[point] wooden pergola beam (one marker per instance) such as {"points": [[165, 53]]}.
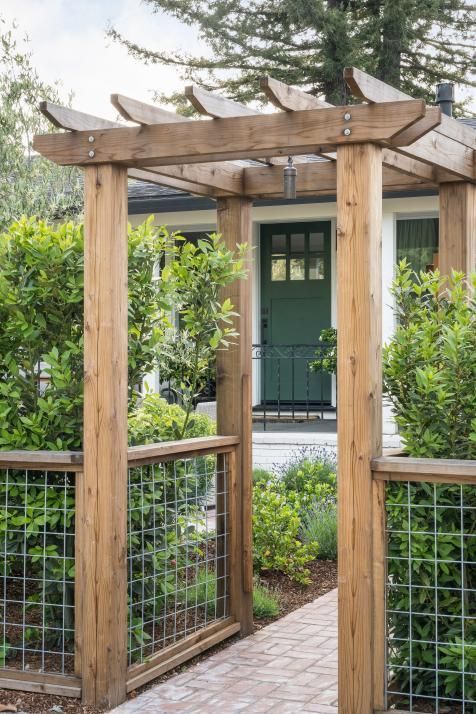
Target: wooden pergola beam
{"points": [[238, 137], [142, 113], [205, 180], [294, 99], [451, 142], [318, 178], [215, 106], [289, 99], [370, 89]]}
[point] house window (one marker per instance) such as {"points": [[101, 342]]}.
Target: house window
{"points": [[417, 241]]}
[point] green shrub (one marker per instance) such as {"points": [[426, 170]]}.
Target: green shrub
{"points": [[41, 313], [435, 560], [430, 365], [308, 477], [430, 378], [265, 601], [202, 593], [261, 476], [326, 356], [319, 525], [276, 524], [154, 420]]}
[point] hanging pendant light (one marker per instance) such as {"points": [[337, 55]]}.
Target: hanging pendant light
{"points": [[289, 179]]}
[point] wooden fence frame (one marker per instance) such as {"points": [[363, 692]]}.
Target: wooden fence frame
{"points": [[174, 655]]}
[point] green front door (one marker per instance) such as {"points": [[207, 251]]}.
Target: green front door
{"points": [[295, 307]]}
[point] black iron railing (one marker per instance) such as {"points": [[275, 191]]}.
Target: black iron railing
{"points": [[291, 390]]}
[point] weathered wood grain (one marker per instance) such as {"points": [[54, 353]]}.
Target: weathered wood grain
{"points": [[234, 411], [359, 226], [238, 137], [104, 498]]}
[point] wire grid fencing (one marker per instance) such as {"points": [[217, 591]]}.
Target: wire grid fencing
{"points": [[431, 597], [178, 551], [37, 570]]}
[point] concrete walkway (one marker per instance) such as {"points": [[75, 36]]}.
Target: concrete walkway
{"points": [[288, 666]]}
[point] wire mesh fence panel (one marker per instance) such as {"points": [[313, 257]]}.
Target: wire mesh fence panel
{"points": [[431, 597], [37, 570], [178, 551]]}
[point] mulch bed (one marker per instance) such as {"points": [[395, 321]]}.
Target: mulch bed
{"points": [[291, 595]]}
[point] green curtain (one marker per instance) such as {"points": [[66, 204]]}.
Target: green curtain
{"points": [[417, 241]]}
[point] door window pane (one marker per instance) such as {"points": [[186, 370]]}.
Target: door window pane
{"points": [[316, 267], [278, 269], [297, 243], [278, 244], [316, 242], [297, 271]]}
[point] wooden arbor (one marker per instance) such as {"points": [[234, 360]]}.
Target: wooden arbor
{"points": [[389, 143]]}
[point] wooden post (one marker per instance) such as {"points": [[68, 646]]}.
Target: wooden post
{"points": [[103, 518], [359, 285], [379, 629], [234, 408], [457, 249]]}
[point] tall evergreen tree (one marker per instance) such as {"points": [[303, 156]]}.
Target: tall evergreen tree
{"points": [[411, 44]]}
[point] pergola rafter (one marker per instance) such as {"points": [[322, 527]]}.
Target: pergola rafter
{"points": [[394, 143]]}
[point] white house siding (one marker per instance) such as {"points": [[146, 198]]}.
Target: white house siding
{"points": [[270, 448]]}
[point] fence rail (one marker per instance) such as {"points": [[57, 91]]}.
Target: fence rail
{"points": [[424, 584], [183, 552]]}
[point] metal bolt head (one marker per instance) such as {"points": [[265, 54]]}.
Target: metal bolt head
{"points": [[91, 154], [346, 132], [90, 139], [347, 116]]}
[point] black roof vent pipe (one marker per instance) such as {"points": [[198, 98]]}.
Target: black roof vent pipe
{"points": [[445, 96]]}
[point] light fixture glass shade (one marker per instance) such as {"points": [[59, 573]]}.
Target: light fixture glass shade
{"points": [[289, 179]]}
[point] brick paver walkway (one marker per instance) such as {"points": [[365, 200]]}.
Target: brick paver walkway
{"points": [[288, 666]]}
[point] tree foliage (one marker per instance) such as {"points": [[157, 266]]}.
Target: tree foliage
{"points": [[29, 184], [411, 44], [41, 313], [430, 365]]}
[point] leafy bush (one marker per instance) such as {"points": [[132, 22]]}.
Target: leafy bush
{"points": [[326, 356], [203, 594], [319, 525], [430, 365], [154, 420], [437, 612], [276, 524], [261, 476], [265, 601], [430, 378], [41, 313], [309, 476], [206, 324]]}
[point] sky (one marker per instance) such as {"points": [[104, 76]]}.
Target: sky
{"points": [[68, 41]]}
